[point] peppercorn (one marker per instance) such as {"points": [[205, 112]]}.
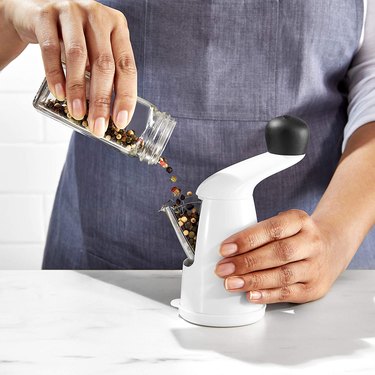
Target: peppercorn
{"points": [[188, 225], [182, 197], [163, 163], [130, 132], [175, 191], [169, 169]]}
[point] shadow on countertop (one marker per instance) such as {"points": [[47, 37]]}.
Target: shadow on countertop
{"points": [[159, 285], [289, 335]]}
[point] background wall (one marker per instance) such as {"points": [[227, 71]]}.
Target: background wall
{"points": [[32, 154]]}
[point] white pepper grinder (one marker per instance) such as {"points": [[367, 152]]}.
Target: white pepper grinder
{"points": [[227, 208]]}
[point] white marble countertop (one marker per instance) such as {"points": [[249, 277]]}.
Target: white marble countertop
{"points": [[120, 322]]}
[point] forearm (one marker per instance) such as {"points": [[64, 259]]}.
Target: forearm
{"points": [[10, 42], [347, 208]]}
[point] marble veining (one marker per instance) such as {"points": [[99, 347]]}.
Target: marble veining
{"points": [[116, 322]]}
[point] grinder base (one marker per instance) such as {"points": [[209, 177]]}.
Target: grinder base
{"points": [[211, 320]]}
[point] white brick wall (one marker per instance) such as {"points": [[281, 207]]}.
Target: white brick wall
{"points": [[32, 153]]}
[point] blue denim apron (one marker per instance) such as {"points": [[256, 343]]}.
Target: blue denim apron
{"points": [[222, 68]]}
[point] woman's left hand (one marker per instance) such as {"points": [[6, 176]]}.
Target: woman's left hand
{"points": [[287, 258]]}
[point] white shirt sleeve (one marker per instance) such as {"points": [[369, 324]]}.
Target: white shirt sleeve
{"points": [[361, 77]]}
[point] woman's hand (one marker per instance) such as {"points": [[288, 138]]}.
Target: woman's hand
{"points": [[287, 258], [88, 33]]}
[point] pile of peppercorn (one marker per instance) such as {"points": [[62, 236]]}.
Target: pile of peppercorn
{"points": [[188, 220]]}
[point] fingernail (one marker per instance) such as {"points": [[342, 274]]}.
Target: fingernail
{"points": [[225, 269], [234, 282], [253, 295], [122, 119], [78, 111], [59, 92], [228, 249], [99, 127]]}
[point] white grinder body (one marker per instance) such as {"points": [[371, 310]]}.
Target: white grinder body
{"points": [[227, 208], [204, 300]]}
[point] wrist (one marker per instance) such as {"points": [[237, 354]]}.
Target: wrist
{"points": [[12, 44], [10, 17], [342, 236], [4, 14]]}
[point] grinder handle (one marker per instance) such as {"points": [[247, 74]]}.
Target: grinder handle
{"points": [[287, 135]]}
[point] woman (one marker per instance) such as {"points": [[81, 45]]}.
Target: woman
{"points": [[223, 69]]}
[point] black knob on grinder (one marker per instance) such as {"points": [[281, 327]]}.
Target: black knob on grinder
{"points": [[287, 135]]}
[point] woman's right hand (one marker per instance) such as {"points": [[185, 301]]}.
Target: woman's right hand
{"points": [[88, 33]]}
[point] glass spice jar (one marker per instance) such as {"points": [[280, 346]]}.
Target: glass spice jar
{"points": [[145, 137]]}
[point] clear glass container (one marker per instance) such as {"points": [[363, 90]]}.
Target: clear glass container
{"points": [[145, 137]]}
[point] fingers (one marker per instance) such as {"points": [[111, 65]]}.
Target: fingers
{"points": [[125, 76], [289, 283], [271, 255], [295, 293], [274, 278], [48, 38], [282, 259], [76, 58], [284, 225], [96, 36], [102, 74]]}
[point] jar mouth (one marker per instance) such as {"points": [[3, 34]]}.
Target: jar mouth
{"points": [[156, 136]]}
